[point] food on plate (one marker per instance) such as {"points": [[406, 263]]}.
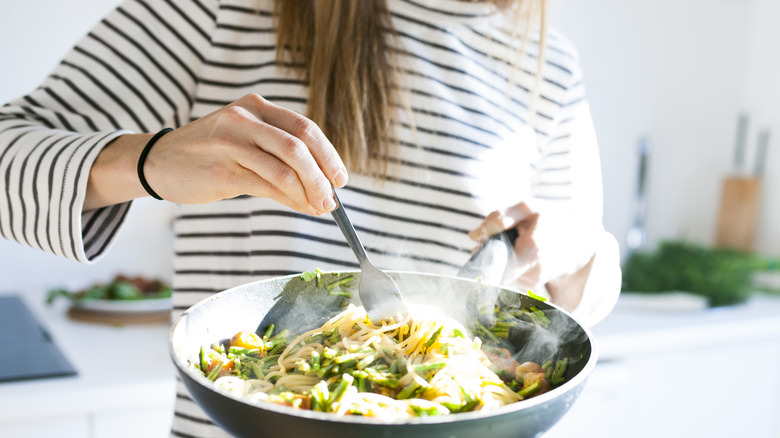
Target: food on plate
{"points": [[121, 288], [423, 365]]}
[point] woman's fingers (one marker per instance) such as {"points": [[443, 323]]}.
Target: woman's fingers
{"points": [[285, 162], [523, 267], [501, 220], [299, 143], [255, 185], [312, 136], [264, 175]]}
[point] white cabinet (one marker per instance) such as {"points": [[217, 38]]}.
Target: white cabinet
{"points": [[601, 410], [69, 426], [147, 423]]}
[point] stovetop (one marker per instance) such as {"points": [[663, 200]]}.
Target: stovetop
{"points": [[27, 351]]}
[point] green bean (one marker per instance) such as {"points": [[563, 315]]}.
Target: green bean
{"points": [[434, 337], [366, 361], [541, 315], [319, 397], [204, 364], [302, 366], [240, 351], [532, 388], [340, 282], [340, 293], [408, 391], [258, 370], [315, 361], [429, 367], [560, 369], [269, 331], [346, 382], [216, 368]]}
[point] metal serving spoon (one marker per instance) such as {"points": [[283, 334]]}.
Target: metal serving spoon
{"points": [[380, 295]]}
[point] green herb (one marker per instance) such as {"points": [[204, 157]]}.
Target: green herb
{"points": [[309, 276], [313, 275], [723, 276]]}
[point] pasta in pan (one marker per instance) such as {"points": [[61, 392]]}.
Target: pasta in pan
{"points": [[423, 365]]}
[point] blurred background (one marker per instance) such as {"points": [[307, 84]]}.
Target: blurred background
{"points": [[676, 73], [669, 79]]}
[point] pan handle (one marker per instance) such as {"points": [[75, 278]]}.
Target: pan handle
{"points": [[490, 260]]}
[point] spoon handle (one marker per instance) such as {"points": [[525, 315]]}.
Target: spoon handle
{"points": [[342, 220]]}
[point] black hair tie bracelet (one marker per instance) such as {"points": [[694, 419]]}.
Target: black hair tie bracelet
{"points": [[142, 159]]}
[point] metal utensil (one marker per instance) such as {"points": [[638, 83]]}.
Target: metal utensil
{"points": [[490, 260], [378, 292], [637, 235], [741, 143], [763, 145]]}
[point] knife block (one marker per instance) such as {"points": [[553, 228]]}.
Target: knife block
{"points": [[738, 213]]}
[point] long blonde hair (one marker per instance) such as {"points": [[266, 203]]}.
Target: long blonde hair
{"points": [[341, 49]]}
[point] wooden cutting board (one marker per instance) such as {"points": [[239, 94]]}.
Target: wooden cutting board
{"points": [[738, 213]]}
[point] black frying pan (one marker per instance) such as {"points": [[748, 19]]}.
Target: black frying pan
{"points": [[292, 303]]}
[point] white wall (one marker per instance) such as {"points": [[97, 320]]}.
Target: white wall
{"points": [[762, 98], [676, 71]]}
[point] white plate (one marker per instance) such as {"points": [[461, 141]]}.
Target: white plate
{"points": [[126, 306]]}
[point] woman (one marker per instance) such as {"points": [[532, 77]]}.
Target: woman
{"points": [[453, 125]]}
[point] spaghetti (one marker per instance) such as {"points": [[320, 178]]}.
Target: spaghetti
{"points": [[422, 365]]}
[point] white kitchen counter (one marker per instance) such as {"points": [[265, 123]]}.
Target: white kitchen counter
{"points": [[672, 373], [125, 385], [642, 325], [711, 373]]}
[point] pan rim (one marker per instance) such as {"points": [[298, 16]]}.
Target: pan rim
{"points": [[560, 391]]}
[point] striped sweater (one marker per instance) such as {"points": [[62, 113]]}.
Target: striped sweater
{"points": [[476, 146]]}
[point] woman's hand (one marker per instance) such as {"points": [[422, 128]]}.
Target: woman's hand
{"points": [[523, 271], [250, 147], [530, 268]]}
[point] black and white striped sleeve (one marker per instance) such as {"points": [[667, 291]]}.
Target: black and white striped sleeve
{"points": [[135, 71]]}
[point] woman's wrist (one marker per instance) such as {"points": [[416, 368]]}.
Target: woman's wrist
{"points": [[113, 178]]}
